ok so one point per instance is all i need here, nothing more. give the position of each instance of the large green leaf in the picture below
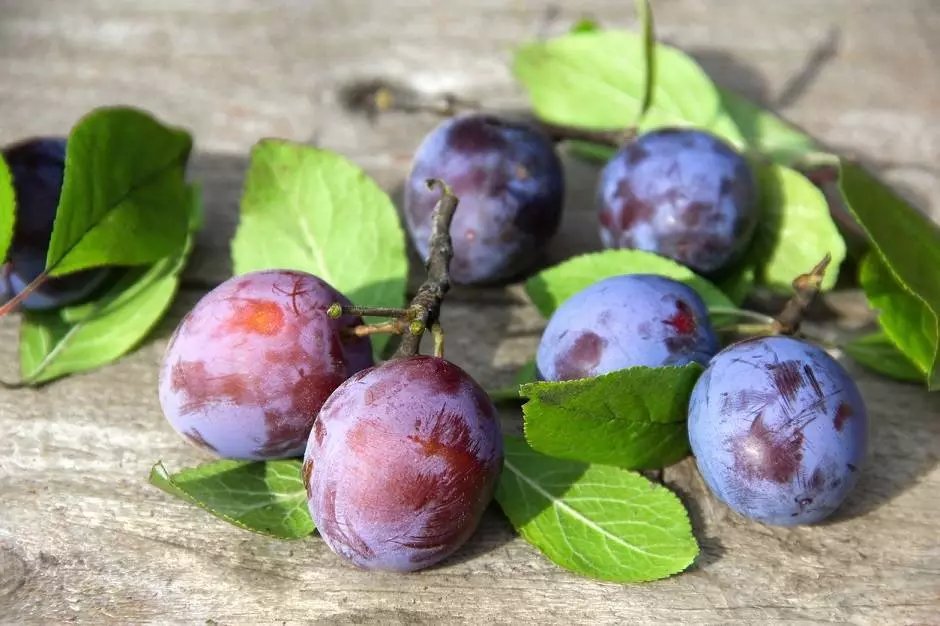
(124, 198)
(600, 521)
(633, 418)
(312, 210)
(901, 276)
(267, 498)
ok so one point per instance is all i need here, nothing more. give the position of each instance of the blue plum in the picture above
(626, 321)
(779, 430)
(38, 169)
(682, 194)
(510, 183)
(402, 462)
(248, 368)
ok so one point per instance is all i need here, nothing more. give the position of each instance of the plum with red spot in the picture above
(510, 183)
(37, 168)
(626, 321)
(401, 464)
(680, 193)
(247, 370)
(779, 430)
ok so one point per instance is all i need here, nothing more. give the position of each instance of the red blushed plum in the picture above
(401, 464)
(248, 369)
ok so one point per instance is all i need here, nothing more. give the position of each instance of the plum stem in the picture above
(378, 97)
(394, 327)
(438, 333)
(337, 310)
(742, 313)
(15, 301)
(806, 287)
(425, 307)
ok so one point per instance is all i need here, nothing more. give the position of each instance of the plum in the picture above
(625, 321)
(779, 430)
(248, 368)
(37, 167)
(682, 194)
(401, 463)
(510, 183)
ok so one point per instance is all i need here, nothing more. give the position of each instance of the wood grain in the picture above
(84, 538)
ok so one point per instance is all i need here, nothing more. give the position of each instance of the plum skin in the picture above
(779, 430)
(37, 167)
(401, 463)
(511, 187)
(247, 370)
(625, 321)
(680, 193)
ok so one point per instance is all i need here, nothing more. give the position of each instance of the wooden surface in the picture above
(84, 538)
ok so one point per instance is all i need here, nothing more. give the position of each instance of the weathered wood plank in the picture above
(82, 537)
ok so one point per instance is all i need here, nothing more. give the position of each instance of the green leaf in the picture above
(902, 277)
(585, 25)
(795, 231)
(600, 521)
(267, 498)
(633, 418)
(597, 79)
(124, 198)
(645, 14)
(83, 337)
(904, 319)
(552, 286)
(312, 210)
(879, 354)
(766, 133)
(7, 209)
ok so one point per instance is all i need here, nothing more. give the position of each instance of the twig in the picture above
(394, 327)
(376, 98)
(15, 301)
(337, 310)
(425, 307)
(806, 287)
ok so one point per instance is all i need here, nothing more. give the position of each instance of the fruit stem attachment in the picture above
(425, 307)
(337, 310)
(376, 98)
(806, 287)
(393, 327)
(11, 304)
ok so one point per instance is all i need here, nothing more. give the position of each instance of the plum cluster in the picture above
(778, 428)
(400, 459)
(37, 167)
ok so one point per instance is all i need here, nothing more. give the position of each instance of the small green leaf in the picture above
(312, 210)
(904, 319)
(877, 352)
(267, 498)
(633, 418)
(124, 197)
(53, 345)
(7, 209)
(552, 286)
(604, 522)
(645, 14)
(902, 275)
(597, 79)
(766, 133)
(83, 337)
(795, 231)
